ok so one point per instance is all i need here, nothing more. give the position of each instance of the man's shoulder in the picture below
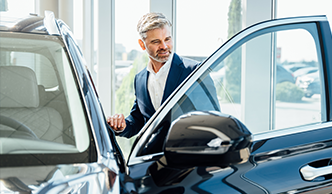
(142, 72)
(185, 61)
(190, 62)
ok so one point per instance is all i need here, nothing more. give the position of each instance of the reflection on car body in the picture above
(210, 136)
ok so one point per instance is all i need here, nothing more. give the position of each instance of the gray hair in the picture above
(151, 21)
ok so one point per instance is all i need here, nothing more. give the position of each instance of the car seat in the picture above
(19, 101)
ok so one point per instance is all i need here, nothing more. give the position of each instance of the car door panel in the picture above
(278, 160)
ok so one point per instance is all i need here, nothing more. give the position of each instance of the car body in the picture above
(54, 138)
(210, 144)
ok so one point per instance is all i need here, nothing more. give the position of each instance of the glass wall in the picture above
(286, 8)
(129, 57)
(128, 54)
(11, 8)
(203, 29)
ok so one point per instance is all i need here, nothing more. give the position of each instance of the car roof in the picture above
(31, 23)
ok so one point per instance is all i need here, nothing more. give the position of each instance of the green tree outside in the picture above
(125, 97)
(233, 62)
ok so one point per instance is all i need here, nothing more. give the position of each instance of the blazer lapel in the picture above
(173, 77)
(146, 96)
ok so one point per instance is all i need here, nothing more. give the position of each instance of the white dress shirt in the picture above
(157, 82)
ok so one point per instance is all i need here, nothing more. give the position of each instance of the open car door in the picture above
(280, 136)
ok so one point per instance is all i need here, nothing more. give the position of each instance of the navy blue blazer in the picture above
(143, 109)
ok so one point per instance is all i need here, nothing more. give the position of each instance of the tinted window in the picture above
(40, 106)
(253, 84)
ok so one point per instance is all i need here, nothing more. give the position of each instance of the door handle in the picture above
(310, 173)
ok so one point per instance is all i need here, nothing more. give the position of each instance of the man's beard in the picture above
(161, 59)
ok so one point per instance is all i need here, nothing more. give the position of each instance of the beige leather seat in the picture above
(19, 101)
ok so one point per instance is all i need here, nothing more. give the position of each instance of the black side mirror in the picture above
(207, 139)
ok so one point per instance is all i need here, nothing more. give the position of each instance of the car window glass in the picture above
(201, 96)
(297, 102)
(255, 84)
(40, 106)
(267, 96)
(40, 64)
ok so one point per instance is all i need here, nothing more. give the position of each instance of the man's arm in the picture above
(117, 122)
(130, 126)
(127, 127)
(134, 122)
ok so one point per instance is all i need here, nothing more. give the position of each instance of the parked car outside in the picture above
(283, 75)
(304, 71)
(55, 139)
(295, 67)
(309, 83)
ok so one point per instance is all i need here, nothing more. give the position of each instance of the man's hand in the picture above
(117, 122)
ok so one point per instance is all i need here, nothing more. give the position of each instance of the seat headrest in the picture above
(18, 87)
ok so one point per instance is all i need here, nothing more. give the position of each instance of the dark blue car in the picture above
(226, 137)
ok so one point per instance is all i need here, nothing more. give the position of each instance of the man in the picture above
(164, 72)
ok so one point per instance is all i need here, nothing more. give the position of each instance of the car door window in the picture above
(255, 85)
(251, 82)
(297, 103)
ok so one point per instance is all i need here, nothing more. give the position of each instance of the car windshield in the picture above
(41, 111)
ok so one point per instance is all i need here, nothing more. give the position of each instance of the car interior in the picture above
(34, 102)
